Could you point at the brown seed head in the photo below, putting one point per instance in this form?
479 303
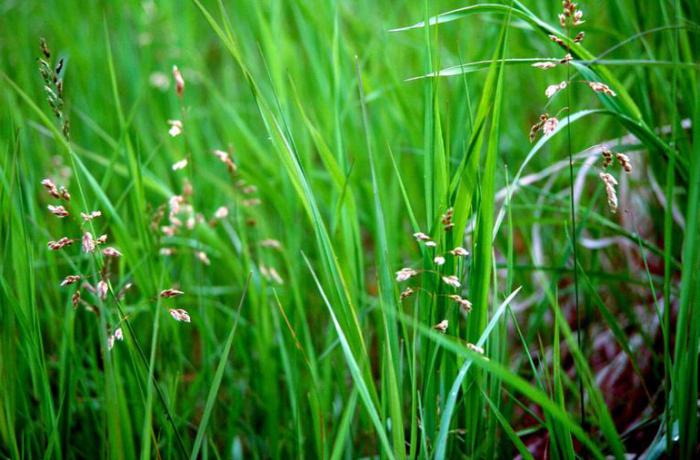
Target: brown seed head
58 211
70 279
442 326
406 293
179 314
624 161
599 87
167 293
179 81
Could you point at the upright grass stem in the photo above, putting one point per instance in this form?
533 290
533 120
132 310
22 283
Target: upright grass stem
572 215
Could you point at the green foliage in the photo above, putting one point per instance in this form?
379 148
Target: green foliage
351 126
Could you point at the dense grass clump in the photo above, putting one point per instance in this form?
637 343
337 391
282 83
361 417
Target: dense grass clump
349 229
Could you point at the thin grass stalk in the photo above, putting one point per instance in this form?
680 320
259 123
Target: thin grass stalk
574 233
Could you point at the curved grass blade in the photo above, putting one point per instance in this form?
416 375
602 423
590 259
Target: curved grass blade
218 376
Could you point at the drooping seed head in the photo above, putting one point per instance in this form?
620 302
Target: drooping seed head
111 252
465 306
87 217
442 326
624 161
167 293
405 274
271 243
182 164
599 87
610 191
406 293
202 256
58 211
607 157
175 128
439 260
556 40
226 159
179 81
221 213
420 236
275 276
70 279
88 243
75 299
459 252
102 288
554 89
549 126
63 192
51 188
180 314
452 281
60 244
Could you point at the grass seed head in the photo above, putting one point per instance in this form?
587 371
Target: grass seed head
599 87
624 161
420 236
442 326
610 191
554 89
405 274
179 81
203 257
60 244
58 211
175 128
167 293
452 281
70 279
607 157
182 164
271 243
51 188
87 217
221 213
75 299
549 126
406 293
102 288
180 314
556 40
88 243
111 252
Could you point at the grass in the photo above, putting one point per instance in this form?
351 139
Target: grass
351 126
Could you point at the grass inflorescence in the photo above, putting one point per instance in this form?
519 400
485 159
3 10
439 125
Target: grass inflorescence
331 229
